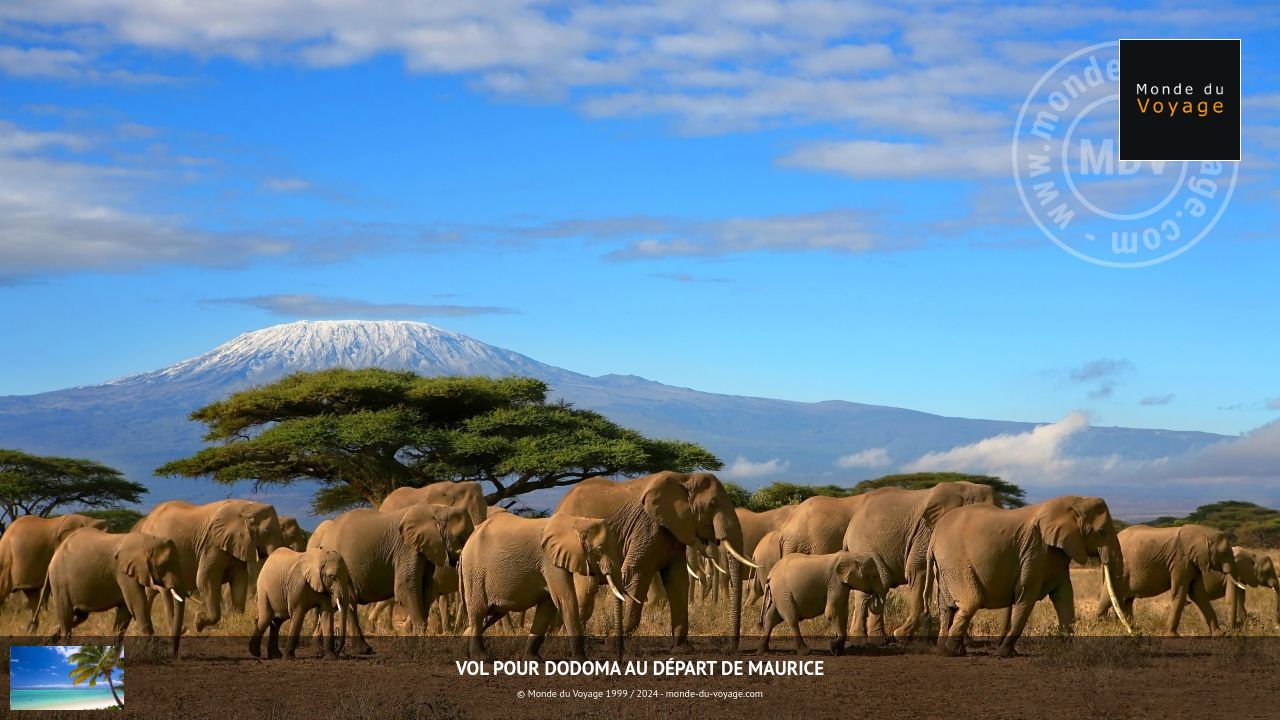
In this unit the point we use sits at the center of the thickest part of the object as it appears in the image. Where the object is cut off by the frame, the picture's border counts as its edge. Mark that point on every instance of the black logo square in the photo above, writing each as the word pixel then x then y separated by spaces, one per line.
pixel 1179 100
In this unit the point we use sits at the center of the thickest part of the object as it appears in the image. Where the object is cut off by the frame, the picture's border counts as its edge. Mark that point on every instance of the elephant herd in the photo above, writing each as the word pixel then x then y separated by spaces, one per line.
pixel 955 544
pixel 669 535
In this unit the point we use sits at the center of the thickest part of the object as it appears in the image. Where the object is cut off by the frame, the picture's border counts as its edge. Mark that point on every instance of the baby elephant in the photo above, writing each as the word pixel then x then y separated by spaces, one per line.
pixel 806 586
pixel 290 585
pixel 92 571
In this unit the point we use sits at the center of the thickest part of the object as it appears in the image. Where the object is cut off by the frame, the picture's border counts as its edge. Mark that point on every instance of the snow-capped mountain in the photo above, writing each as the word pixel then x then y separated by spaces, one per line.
pixel 139 422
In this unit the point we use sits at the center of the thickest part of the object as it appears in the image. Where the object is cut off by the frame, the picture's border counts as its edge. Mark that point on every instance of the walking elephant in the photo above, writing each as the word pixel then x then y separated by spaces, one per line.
pixel 989 558
pixel 394 555
pixel 893 527
pixel 467 495
pixel 513 564
pixel 806 586
pixel 1252 570
pixel 26 548
pixel 295 538
pixel 755 526
pixel 218 542
pixel 290 585
pixel 1188 561
pixel 655 518
pixel 768 553
pixel 93 571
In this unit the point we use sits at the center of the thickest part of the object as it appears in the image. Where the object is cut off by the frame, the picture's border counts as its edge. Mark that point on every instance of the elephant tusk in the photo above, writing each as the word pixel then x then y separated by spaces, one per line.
pixel 729 547
pixel 175 595
pixel 716 565
pixel 614 588
pixel 1238 583
pixel 693 574
pixel 1115 601
pixel 635 599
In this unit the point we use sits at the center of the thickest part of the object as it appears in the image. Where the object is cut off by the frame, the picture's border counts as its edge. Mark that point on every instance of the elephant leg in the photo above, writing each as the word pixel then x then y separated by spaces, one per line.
pixel 769 619
pixel 360 646
pixel 121 622
pixel 1200 597
pixel 210 588
pixel 793 621
pixel 676 580
pixel 239 587
pixel 135 601
pixel 273 639
pixel 264 622
pixel 1004 619
pixel 1235 606
pixel 1063 598
pixel 295 629
pixel 915 606
pixel 952 643
pixel 1021 614
pixel 837 613
pixel 166 602
pixel 560 584
pixel 1177 600
pixel 542 618
pixel 477 614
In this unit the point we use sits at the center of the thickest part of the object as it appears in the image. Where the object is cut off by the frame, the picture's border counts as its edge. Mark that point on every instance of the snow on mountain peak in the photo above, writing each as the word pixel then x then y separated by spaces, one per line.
pixel 264 355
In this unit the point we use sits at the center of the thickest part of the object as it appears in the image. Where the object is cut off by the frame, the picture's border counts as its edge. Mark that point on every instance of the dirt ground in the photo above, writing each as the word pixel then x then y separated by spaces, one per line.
pixel 1099 673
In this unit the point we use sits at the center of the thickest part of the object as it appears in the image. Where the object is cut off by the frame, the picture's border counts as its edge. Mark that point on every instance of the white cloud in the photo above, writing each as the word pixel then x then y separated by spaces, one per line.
pixel 872 458
pixel 315 306
pixel 286 185
pixel 744 468
pixel 876 159
pixel 1036 456
pixel 65 651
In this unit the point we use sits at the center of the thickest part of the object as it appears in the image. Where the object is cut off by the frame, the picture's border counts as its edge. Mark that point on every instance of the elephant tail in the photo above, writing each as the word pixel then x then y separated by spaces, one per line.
pixel 930 581
pixel 767 605
pixel 35 614
pixel 462 591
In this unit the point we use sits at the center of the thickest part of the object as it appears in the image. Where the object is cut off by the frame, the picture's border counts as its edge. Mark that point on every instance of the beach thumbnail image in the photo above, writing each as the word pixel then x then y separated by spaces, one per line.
pixel 66 677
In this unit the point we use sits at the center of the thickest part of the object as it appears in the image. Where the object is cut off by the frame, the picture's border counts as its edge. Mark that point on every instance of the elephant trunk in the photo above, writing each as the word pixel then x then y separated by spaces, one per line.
pixel 735 597
pixel 179 611
pixel 729 533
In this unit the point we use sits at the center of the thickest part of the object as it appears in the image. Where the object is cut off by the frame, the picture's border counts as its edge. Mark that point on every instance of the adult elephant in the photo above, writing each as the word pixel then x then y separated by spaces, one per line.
pixel 394 555
pixel 989 558
pixel 466 495
pixel 655 518
pixel 93 571
pixel 218 542
pixel 295 538
pixel 1189 561
pixel 893 526
pixel 1252 570
pixel 28 545
pixel 513 564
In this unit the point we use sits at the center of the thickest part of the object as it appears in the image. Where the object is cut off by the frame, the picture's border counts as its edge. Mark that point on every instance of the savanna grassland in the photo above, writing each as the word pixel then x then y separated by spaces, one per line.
pixel 1100 673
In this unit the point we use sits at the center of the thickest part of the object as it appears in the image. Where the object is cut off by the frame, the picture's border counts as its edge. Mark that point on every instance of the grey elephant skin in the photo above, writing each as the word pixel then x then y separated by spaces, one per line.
pixel 512 564
pixel 1252 570
pixel 394 555
pixel 295 538
pixel 292 584
pixel 655 518
pixel 1191 562
pixel 466 494
pixel 894 526
pixel 807 586
pixel 218 542
pixel 27 547
pixel 94 571
pixel 989 558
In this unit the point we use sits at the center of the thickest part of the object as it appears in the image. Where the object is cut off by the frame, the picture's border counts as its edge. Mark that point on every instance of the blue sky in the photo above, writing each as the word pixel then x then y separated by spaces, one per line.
pixel 44 666
pixel 804 200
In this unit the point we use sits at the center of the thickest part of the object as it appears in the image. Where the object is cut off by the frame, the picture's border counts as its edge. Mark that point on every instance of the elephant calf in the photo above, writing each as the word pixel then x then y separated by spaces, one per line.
pixel 290 585
pixel 767 553
pixel 806 586
pixel 93 571
pixel 1252 570
pixel 513 563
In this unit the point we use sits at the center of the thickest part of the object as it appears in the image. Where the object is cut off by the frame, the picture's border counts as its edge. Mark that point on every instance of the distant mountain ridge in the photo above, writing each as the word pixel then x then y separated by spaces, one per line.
pixel 138 422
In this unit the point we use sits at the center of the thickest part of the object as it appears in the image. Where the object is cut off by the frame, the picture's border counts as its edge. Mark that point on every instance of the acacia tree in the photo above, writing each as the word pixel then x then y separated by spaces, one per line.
pixel 363 433
pixel 39 485
pixel 1008 494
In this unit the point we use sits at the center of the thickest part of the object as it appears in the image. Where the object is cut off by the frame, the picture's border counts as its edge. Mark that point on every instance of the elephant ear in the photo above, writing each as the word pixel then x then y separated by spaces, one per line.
pixel 942 499
pixel 1060 526
pixel 565 541
pixel 229 531
pixel 666 500
pixel 850 569
pixel 311 570
pixel 133 558
pixel 1197 547
pixel 423 527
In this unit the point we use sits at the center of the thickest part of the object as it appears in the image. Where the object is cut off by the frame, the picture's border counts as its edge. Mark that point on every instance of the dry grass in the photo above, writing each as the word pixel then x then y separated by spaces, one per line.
pixel 713 619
